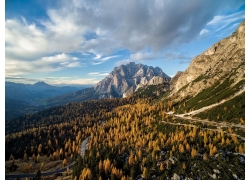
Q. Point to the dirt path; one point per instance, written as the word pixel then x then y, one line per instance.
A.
pixel 218 129
pixel 221 124
pixel 84 146
pixel 213 105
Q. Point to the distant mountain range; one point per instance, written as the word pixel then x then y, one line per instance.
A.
pixel 27 98
pixel 220 66
pixel 33 92
pixel 121 82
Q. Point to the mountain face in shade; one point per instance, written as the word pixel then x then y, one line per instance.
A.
pixel 126 79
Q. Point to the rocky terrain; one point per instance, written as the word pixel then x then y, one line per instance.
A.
pixel 121 82
pixel 126 79
pixel 175 78
pixel 225 59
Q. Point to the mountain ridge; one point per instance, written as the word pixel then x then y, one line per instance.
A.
pixel 126 79
pixel 214 64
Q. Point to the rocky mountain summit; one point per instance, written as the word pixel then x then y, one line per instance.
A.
pixel 225 59
pixel 126 79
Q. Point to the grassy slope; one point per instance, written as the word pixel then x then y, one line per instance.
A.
pixel 231 111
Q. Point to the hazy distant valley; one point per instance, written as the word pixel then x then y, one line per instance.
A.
pixel 21 99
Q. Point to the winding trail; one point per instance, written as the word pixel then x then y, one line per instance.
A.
pixel 213 105
pixel 218 129
pixel 84 146
pixel 219 125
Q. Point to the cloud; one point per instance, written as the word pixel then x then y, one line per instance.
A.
pixel 123 62
pixel 55 80
pixel 31 49
pixel 98 56
pixel 144 56
pixel 169 55
pixel 220 19
pixel 74 80
pixel 101 59
pixel 98 74
pixel 109 57
pixel 28 41
pixel 96 63
pixel 177 55
pixel 134 25
pixel 111 25
pixel 15 67
pixel 13 77
pixel 223 23
pixel 204 31
pixel 157 24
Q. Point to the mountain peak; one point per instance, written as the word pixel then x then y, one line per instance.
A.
pixel 41 83
pixel 129 77
pixel 224 59
pixel 131 63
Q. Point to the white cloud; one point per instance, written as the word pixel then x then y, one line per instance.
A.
pixel 101 59
pixel 144 56
pixel 170 55
pixel 223 23
pixel 79 81
pixel 55 80
pixel 14 67
pixel 73 64
pixel 98 56
pixel 220 19
pixel 98 74
pixel 108 58
pixel 123 62
pixel 96 63
pixel 27 41
pixel 204 31
pixel 133 25
pixel 130 24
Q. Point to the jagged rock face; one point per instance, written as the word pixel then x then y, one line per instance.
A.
pixel 214 64
pixel 126 79
pixel 175 78
pixel 155 80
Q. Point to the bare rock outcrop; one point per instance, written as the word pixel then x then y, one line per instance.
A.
pixel 126 79
pixel 225 58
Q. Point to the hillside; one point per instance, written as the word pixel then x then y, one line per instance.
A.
pixel 76 96
pixel 15 108
pixel 192 130
pixel 224 60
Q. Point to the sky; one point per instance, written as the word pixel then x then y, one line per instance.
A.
pixel 80 42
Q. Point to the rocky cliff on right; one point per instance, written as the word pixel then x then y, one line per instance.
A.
pixel 223 63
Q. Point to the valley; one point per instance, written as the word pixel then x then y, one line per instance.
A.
pixel 138 123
